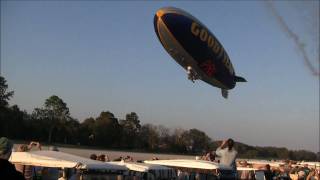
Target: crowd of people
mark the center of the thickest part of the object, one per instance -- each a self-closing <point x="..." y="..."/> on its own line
<point x="288" y="170"/>
<point x="10" y="171"/>
<point x="100" y="157"/>
<point x="7" y="169"/>
<point x="105" y="158"/>
<point x="225" y="155"/>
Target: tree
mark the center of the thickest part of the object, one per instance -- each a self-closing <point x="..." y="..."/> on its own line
<point x="303" y="155"/>
<point x="200" y="140"/>
<point x="55" y="113"/>
<point x="133" y="121"/>
<point x="195" y="140"/>
<point x="86" y="131"/>
<point x="12" y="122"/>
<point x="177" y="142"/>
<point x="149" y="137"/>
<point x="17" y="119"/>
<point x="4" y="95"/>
<point x="130" y="129"/>
<point x="164" y="137"/>
<point x="106" y="129"/>
<point x="4" y="110"/>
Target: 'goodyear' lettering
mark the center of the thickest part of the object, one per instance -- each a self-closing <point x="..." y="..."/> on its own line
<point x="204" y="36"/>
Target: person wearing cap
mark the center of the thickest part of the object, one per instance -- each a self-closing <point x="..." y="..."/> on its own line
<point x="7" y="170"/>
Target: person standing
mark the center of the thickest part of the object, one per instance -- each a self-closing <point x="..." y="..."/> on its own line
<point x="228" y="154"/>
<point x="7" y="170"/>
<point x="268" y="174"/>
<point x="27" y="170"/>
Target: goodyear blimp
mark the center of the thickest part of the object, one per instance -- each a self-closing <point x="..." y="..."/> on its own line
<point x="195" y="48"/>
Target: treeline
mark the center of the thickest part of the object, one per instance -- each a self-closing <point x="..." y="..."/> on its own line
<point x="251" y="152"/>
<point x="52" y="123"/>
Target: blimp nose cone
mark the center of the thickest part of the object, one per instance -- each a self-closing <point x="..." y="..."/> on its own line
<point x="159" y="13"/>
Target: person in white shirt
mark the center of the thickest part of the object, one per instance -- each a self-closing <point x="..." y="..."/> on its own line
<point x="227" y="154"/>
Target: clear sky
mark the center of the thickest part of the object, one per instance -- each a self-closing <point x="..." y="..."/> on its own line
<point x="105" y="56"/>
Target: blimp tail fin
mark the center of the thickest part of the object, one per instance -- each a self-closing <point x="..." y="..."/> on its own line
<point x="224" y="93"/>
<point x="239" y="79"/>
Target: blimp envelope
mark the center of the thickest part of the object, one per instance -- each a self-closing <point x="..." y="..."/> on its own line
<point x="195" y="48"/>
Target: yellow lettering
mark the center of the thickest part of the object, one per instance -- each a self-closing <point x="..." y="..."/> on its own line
<point x="227" y="63"/>
<point x="224" y="59"/>
<point x="203" y="35"/>
<point x="216" y="48"/>
<point x="195" y="29"/>
<point x="210" y="41"/>
<point x="221" y="52"/>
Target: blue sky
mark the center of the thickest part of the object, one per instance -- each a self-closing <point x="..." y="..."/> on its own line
<point x="105" y="56"/>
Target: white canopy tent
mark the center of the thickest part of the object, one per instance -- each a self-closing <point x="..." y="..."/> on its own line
<point x="311" y="164"/>
<point x="152" y="170"/>
<point x="141" y="167"/>
<point x="189" y="163"/>
<point x="265" y="162"/>
<point x="193" y="169"/>
<point x="61" y="160"/>
<point x="247" y="169"/>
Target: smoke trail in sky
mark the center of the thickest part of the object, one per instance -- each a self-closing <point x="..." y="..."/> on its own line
<point x="301" y="47"/>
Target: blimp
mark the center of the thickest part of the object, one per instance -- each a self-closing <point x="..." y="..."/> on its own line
<point x="195" y="48"/>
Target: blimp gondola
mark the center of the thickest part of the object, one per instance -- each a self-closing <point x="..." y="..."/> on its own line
<point x="195" y="48"/>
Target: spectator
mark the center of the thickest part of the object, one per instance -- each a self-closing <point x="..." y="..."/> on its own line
<point x="314" y="174"/>
<point x="7" y="170"/>
<point x="268" y="173"/>
<point x="283" y="174"/>
<point x="301" y="175"/>
<point x="107" y="158"/>
<point x="210" y="156"/>
<point x="228" y="155"/>
<point x="93" y="156"/>
<point x="27" y="170"/>
<point x="246" y="174"/>
<point x="155" y="158"/>
<point x="101" y="157"/>
<point x="128" y="159"/>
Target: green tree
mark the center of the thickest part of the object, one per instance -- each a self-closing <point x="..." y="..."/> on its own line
<point x="130" y="130"/>
<point x="303" y="155"/>
<point x="106" y="130"/>
<point x="13" y="122"/>
<point x="17" y="122"/>
<point x="4" y="95"/>
<point x="86" y="129"/>
<point x="196" y="140"/>
<point x="5" y="112"/>
<point x="148" y="137"/>
<point x="164" y="138"/>
<point x="68" y="133"/>
<point x="251" y="154"/>
<point x="55" y="113"/>
<point x="178" y="143"/>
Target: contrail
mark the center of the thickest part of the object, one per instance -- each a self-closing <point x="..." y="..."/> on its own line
<point x="295" y="38"/>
